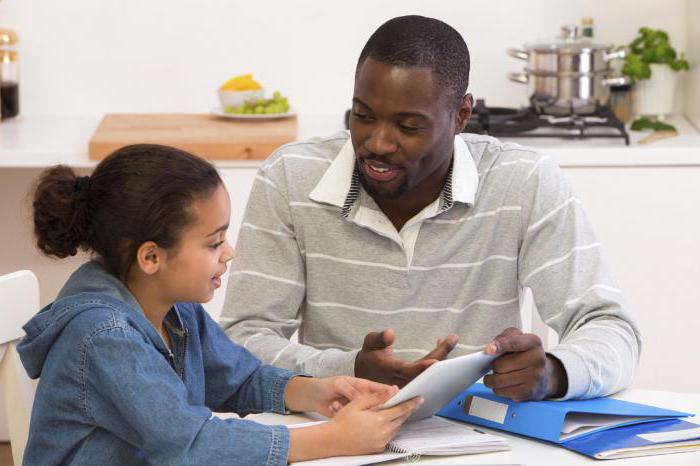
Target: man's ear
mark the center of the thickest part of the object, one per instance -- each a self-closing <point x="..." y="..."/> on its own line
<point x="464" y="112"/>
<point x="149" y="257"/>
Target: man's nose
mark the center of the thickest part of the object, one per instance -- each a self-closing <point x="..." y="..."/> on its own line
<point x="382" y="140"/>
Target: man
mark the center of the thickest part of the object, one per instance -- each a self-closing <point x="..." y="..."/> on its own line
<point x="409" y="226"/>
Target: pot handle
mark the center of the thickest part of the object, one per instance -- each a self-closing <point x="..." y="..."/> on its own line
<point x="622" y="52"/>
<point x="518" y="53"/>
<point x="521" y="78"/>
<point x="617" y="81"/>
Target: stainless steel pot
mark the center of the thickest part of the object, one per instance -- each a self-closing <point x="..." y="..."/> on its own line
<point x="568" y="76"/>
<point x="568" y="94"/>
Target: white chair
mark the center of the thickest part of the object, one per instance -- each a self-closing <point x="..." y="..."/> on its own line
<point x="19" y="301"/>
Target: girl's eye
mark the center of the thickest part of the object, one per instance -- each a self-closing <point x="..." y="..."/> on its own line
<point x="216" y="245"/>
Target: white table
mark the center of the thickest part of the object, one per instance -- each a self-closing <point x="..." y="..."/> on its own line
<point x="531" y="452"/>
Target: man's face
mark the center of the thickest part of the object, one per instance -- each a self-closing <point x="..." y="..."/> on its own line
<point x="402" y="128"/>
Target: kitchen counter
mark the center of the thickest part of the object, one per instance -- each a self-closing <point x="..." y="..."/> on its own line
<point x="39" y="141"/>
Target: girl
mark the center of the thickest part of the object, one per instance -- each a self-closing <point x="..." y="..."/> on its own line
<point x="132" y="366"/>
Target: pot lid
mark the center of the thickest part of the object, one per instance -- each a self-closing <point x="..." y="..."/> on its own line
<point x="568" y="42"/>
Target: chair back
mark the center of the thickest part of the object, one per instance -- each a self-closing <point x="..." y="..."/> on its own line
<point x="19" y="301"/>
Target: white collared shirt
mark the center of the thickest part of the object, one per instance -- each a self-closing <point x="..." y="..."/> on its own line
<point x="337" y="183"/>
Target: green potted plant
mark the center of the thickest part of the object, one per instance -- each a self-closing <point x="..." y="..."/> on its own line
<point x="653" y="63"/>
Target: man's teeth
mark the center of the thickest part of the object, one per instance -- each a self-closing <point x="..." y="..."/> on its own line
<point x="378" y="169"/>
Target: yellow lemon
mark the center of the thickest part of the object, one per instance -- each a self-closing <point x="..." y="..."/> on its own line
<point x="244" y="82"/>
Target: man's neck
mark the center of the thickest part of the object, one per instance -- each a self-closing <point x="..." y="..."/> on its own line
<point x="408" y="205"/>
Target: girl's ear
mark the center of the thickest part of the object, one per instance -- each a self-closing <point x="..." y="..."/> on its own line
<point x="149" y="257"/>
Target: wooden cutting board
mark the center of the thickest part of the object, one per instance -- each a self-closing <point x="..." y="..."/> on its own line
<point x="204" y="135"/>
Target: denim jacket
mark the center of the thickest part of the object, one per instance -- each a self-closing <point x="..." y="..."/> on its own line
<point x="112" y="393"/>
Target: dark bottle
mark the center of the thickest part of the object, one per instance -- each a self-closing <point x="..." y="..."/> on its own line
<point x="9" y="75"/>
<point x="9" y="100"/>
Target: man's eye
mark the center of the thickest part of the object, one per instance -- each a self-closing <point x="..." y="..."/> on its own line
<point x="360" y="116"/>
<point x="410" y="129"/>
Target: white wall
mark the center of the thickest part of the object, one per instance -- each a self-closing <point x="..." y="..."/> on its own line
<point x="692" y="79"/>
<point x="89" y="57"/>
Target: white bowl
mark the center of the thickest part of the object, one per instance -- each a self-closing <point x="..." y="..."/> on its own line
<point x="238" y="98"/>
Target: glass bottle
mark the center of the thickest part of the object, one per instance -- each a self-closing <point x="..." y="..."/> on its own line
<point x="9" y="74"/>
<point x="587" y="27"/>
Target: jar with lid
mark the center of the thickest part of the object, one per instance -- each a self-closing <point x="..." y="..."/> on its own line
<point x="587" y="27"/>
<point x="9" y="74"/>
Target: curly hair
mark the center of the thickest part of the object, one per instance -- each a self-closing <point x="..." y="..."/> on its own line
<point x="138" y="193"/>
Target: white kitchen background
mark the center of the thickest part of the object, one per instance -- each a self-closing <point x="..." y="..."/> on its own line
<point x="87" y="58"/>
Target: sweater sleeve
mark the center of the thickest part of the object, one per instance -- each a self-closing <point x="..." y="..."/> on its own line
<point x="561" y="261"/>
<point x="131" y="391"/>
<point x="267" y="286"/>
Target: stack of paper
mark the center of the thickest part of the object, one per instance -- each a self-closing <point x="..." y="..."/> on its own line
<point x="430" y="436"/>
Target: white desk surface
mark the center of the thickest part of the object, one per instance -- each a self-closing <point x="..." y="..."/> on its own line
<point x="531" y="452"/>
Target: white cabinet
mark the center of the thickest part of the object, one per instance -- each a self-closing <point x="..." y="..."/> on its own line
<point x="648" y="221"/>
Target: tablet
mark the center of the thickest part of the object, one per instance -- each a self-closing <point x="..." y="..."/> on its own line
<point x="441" y="382"/>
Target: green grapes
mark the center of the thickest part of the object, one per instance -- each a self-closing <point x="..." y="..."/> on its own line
<point x="277" y="104"/>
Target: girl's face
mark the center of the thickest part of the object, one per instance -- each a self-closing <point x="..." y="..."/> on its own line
<point x="192" y="271"/>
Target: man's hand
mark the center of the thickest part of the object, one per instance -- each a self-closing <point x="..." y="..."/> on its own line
<point x="376" y="360"/>
<point x="523" y="371"/>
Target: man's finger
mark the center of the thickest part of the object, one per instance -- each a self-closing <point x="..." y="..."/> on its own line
<point x="511" y="379"/>
<point x="509" y="340"/>
<point x="514" y="361"/>
<point x="493" y="347"/>
<point x="443" y="348"/>
<point x="376" y="340"/>
<point x="411" y="370"/>
<point x="519" y="343"/>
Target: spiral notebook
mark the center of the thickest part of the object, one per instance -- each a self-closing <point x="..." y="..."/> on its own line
<point x="430" y="436"/>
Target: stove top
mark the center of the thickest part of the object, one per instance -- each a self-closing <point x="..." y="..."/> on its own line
<point x="527" y="122"/>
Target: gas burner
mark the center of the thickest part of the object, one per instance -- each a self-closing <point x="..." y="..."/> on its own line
<point x="529" y="123"/>
<point x="526" y="122"/>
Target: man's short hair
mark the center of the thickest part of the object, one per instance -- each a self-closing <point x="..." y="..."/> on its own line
<point x="413" y="40"/>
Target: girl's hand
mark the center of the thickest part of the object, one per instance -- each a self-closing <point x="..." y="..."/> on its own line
<point x="330" y="394"/>
<point x="361" y="428"/>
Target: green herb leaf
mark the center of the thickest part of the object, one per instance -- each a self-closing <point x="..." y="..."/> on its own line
<point x="642" y="124"/>
<point x="680" y="65"/>
<point x="651" y="46"/>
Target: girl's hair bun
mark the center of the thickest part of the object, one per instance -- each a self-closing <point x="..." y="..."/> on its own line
<point x="61" y="212"/>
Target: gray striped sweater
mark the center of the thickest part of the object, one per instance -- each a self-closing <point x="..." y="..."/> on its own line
<point x="328" y="268"/>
